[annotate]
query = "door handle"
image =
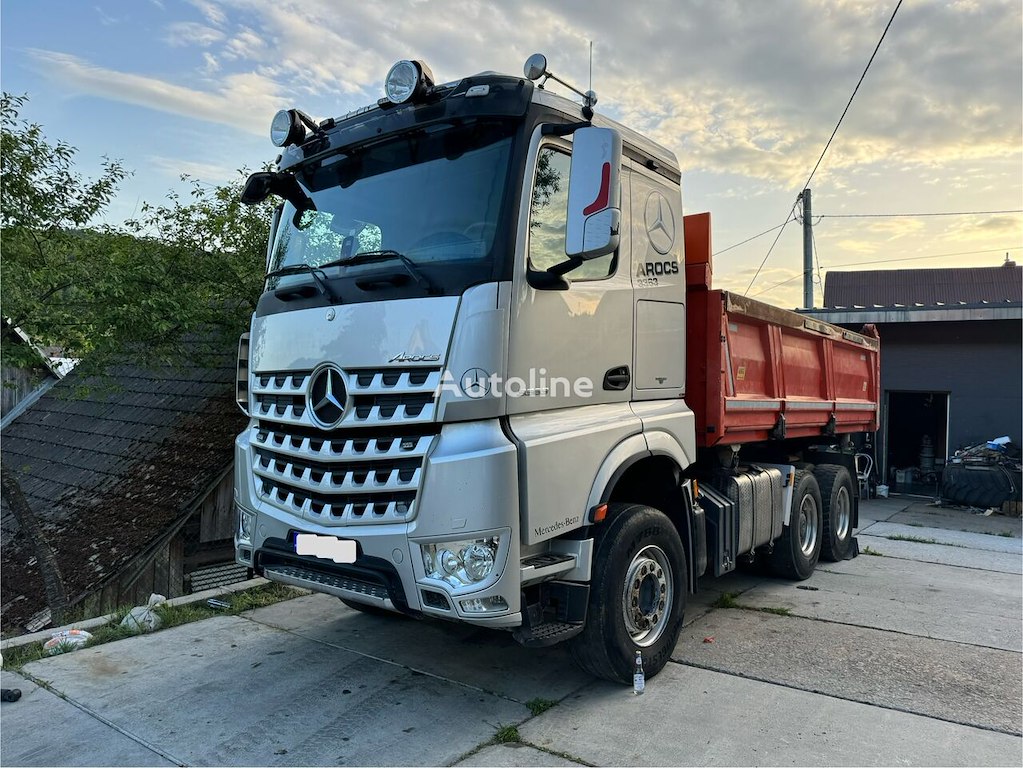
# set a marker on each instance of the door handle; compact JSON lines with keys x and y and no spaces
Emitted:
{"x":617,"y":379}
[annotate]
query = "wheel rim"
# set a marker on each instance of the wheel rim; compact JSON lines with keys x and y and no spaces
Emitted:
{"x":808,"y":521}
{"x":647,"y":596}
{"x":842,"y":508}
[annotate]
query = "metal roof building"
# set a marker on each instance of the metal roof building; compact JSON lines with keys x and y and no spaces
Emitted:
{"x":951,"y":360}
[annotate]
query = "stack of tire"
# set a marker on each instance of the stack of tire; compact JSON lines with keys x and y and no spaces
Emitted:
{"x":981,"y":484}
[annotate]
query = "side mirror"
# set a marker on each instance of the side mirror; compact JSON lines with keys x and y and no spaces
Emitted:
{"x":262,"y":184}
{"x":594,"y":194}
{"x":258,"y":188}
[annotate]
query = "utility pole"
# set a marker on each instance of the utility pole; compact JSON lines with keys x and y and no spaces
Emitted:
{"x":807,"y":251}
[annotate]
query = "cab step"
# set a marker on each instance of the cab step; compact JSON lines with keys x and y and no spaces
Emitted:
{"x":546,"y":565}
{"x":546,"y":634}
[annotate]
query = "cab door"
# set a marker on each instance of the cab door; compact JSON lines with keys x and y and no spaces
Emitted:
{"x":573,"y":347}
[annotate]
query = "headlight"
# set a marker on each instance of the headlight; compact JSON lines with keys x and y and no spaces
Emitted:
{"x":246,"y":524}
{"x":407,"y":80}
{"x":461,"y":563}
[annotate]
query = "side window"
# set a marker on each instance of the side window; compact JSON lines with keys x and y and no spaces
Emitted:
{"x":547,"y":217}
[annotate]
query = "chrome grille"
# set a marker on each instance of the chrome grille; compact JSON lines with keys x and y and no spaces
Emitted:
{"x":366,"y":470}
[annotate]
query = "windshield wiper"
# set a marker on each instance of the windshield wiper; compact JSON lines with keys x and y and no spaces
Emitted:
{"x":385,"y":254}
{"x":316,"y":271}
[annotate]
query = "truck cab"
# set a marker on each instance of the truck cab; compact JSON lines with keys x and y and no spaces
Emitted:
{"x":466,"y":375}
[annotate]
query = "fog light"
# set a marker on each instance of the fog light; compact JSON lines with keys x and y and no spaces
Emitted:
{"x":484,"y":604}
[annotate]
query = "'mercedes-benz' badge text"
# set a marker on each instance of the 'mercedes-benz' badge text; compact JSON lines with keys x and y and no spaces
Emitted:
{"x":327,"y":396}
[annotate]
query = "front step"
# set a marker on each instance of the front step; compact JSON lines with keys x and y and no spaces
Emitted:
{"x":546,"y":565}
{"x":546,"y":634}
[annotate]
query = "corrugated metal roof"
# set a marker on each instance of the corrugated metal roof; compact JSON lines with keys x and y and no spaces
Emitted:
{"x":108,"y":473}
{"x":924,"y":287}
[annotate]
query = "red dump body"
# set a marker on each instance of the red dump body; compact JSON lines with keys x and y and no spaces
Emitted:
{"x":757,"y":372}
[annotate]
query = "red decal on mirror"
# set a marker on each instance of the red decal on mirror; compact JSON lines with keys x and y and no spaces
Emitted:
{"x":605,"y":192}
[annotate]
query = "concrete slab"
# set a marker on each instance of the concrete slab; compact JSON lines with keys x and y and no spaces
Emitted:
{"x":922,"y":599}
{"x":961,"y":683}
{"x":930,"y":516}
{"x":872,"y":510}
{"x":515,"y":754}
{"x":691,"y":716}
{"x":954,"y":538}
{"x":82,"y":739}
{"x":229,"y":691}
{"x":484,"y":658}
{"x":983,"y":560}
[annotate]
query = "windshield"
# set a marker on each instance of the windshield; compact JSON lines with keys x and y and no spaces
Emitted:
{"x":434,"y":195}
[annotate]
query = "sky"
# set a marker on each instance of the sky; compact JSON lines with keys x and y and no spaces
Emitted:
{"x":745,"y":92}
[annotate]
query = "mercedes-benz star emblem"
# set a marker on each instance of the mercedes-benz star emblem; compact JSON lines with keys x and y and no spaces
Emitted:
{"x":476,"y":383}
{"x":327,"y":396}
{"x":660,"y":223}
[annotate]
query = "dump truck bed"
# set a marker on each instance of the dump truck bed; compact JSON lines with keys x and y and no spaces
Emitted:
{"x":757,"y":372}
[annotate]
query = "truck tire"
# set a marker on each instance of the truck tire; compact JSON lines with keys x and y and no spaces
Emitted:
{"x":797,"y":550}
{"x":637,"y":595}
{"x":836,"y":511}
{"x":978,"y":485}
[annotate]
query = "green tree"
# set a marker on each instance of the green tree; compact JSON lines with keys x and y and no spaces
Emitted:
{"x":190,"y":266}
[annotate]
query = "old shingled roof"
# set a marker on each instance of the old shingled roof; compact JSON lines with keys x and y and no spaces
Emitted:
{"x":924,"y":287}
{"x":109,"y":471}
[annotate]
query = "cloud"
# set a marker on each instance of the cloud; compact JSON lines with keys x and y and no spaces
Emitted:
{"x":236,"y":95}
{"x":184,"y":33}
{"x":210,"y":11}
{"x":174,"y":167}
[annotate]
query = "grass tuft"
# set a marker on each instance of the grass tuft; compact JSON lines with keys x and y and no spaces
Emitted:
{"x":777,"y":611}
{"x":506,"y":734}
{"x":539,"y":705}
{"x":917,"y":539}
{"x":727,"y":600}
{"x":1006,"y":534}
{"x":872,"y":552}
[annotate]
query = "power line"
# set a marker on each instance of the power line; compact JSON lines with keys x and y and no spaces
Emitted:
{"x":857,"y":88}
{"x":827,"y":145}
{"x":887,"y":261}
{"x":910,"y":215}
{"x":781,"y":228}
{"x":750,"y":239}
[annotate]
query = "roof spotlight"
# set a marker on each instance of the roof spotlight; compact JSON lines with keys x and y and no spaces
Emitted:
{"x":407,"y":81}
{"x":287,"y":128}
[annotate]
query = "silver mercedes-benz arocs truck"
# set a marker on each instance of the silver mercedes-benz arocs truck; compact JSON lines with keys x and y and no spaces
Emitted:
{"x":467,"y":378}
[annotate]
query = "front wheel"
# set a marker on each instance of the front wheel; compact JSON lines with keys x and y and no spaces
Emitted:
{"x":637,"y":595}
{"x":797,"y":550}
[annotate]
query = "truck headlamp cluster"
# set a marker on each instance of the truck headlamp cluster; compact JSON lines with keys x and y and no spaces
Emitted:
{"x":246,"y":524}
{"x":461,"y":563}
{"x":407,"y":81}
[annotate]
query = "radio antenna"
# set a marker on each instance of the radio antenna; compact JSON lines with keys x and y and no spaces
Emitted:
{"x":591,"y":66}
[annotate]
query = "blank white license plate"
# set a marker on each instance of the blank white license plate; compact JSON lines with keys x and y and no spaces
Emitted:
{"x":325,"y":547}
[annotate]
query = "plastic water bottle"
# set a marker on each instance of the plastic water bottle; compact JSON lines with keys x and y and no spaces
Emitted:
{"x":638,"y":678}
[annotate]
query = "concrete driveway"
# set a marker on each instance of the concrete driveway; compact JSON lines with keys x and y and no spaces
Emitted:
{"x":911,"y":656}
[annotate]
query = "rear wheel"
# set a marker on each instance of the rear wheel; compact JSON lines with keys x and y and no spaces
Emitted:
{"x":836,"y":511}
{"x":637,"y":595}
{"x":797,"y":550}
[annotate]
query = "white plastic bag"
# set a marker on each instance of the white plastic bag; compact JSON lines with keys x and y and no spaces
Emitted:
{"x":143,"y":618}
{"x":66,"y":640}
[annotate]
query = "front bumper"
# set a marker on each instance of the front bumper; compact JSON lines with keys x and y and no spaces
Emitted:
{"x":469,"y":490}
